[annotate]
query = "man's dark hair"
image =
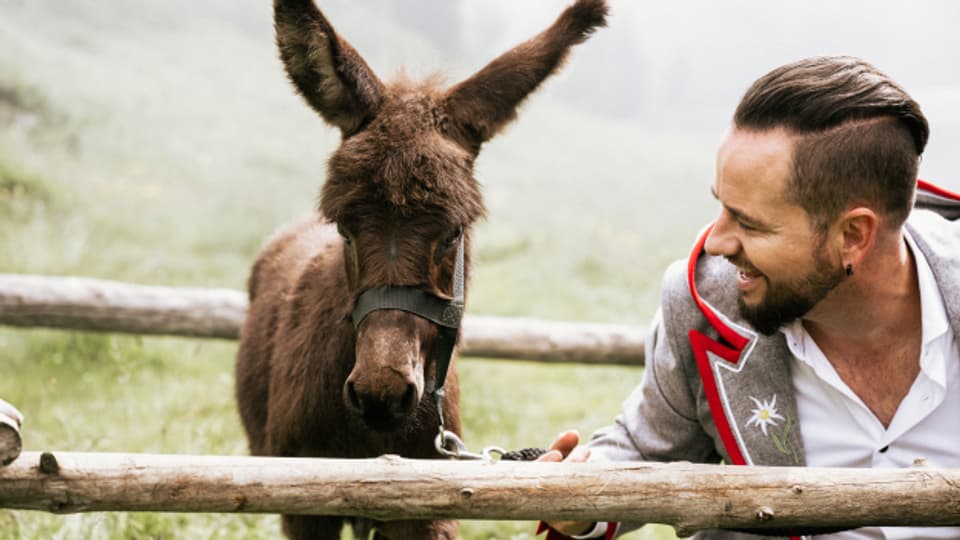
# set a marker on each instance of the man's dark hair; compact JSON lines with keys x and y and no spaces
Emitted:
{"x":860,"y":135}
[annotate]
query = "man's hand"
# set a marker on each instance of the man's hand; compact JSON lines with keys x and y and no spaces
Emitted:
{"x":564,"y":449}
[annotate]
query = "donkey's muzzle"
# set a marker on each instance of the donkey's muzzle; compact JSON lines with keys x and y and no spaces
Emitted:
{"x":381,"y":411}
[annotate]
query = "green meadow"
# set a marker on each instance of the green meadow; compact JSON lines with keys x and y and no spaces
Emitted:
{"x":160,"y":143}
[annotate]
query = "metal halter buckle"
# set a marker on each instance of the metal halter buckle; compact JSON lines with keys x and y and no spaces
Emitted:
{"x":490,"y":454}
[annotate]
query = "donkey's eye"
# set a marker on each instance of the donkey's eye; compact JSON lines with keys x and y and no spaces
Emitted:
{"x":455,"y":235}
{"x":343,"y":232}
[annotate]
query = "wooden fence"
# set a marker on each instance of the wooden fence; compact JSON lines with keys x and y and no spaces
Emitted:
{"x":688,"y":496}
{"x":100,"y":305}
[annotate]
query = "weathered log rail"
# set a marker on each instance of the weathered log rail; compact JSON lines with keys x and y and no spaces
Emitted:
{"x":689,"y":496}
{"x":111,"y":306}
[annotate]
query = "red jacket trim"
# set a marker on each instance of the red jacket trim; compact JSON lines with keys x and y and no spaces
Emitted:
{"x":729,"y":351}
{"x":730,"y":335}
{"x":923,"y":185}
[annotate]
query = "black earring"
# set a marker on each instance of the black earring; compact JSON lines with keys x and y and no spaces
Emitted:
{"x":849,"y":269}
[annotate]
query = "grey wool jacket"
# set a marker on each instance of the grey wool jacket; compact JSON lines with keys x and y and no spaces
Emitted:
{"x":707,"y":369}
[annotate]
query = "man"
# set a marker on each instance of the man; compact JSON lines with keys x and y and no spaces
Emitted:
{"x":816,"y":320}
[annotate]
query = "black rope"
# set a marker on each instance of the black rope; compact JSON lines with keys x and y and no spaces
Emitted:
{"x":525,"y":454}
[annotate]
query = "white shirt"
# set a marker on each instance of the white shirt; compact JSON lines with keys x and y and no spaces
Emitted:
{"x":838,"y":429}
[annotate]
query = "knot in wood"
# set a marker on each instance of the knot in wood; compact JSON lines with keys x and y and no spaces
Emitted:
{"x":48,"y":463}
{"x":466,"y":493}
{"x":765,"y":513}
{"x":796,"y":489}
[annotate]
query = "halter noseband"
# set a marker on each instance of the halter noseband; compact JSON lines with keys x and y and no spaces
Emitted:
{"x":447,"y":314}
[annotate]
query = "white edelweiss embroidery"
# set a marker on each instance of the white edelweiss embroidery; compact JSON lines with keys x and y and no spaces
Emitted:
{"x":765,"y":414}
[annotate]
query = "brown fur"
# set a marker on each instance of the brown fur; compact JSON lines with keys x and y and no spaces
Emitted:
{"x":400,"y":189}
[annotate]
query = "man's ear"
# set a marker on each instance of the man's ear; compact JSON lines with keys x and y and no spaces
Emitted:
{"x":855,"y":233}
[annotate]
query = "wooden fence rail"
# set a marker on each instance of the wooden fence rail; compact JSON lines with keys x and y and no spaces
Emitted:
{"x":689,"y":496}
{"x":111,"y":306}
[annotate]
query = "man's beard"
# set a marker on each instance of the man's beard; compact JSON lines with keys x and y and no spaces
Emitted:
{"x":784,"y":303}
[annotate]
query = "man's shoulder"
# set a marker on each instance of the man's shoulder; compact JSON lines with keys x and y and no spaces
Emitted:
{"x":675,"y":281}
{"x":713,"y":277}
{"x":939,"y":241}
{"x":937,"y":236}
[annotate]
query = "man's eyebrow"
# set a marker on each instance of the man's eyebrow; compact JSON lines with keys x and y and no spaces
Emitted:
{"x":739,"y":214}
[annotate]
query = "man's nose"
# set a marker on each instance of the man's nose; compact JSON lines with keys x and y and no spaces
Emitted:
{"x":722,"y":240}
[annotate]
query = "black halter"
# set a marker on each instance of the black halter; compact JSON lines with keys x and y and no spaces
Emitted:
{"x":447,"y":314}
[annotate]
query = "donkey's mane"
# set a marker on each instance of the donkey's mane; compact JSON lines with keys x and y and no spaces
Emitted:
{"x":403,"y":162}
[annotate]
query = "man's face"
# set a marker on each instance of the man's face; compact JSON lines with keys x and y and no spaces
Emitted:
{"x":784,"y":268}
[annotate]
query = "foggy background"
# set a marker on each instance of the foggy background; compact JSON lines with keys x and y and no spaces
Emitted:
{"x":600,"y":183}
{"x":681,"y":66}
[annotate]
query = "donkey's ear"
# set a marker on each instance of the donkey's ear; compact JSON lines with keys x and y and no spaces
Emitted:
{"x":480,"y":106}
{"x":326,"y":70}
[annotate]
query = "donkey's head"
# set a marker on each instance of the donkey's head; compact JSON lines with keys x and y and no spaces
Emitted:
{"x":400,"y":187}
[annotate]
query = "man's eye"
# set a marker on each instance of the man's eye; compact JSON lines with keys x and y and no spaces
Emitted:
{"x":747,"y":226}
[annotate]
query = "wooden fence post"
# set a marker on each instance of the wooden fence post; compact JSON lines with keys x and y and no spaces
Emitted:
{"x":10,"y":441}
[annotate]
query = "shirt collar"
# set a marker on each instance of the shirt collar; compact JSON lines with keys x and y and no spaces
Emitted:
{"x":933,"y":312}
{"x":934,"y":321}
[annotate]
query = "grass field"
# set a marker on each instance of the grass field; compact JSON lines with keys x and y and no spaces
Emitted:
{"x":139,"y":146}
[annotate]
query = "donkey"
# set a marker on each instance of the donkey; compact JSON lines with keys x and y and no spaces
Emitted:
{"x":315,"y":377}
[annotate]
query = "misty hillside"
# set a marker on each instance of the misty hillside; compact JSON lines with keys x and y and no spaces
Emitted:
{"x":146,"y":105}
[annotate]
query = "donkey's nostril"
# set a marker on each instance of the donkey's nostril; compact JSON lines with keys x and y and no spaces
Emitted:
{"x":353,"y":400}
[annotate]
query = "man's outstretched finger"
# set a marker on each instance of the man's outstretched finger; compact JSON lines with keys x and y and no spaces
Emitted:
{"x":561,"y":447}
{"x":566,"y":442}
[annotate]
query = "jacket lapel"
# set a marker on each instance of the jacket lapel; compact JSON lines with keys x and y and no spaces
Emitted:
{"x":746,"y":377}
{"x":758,"y":399}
